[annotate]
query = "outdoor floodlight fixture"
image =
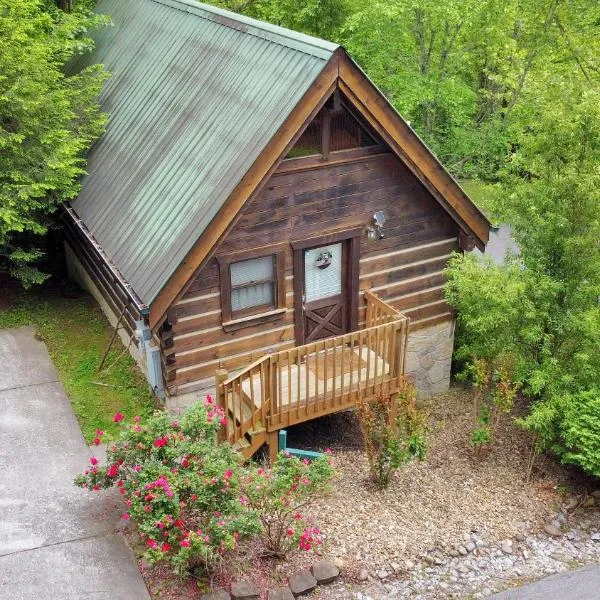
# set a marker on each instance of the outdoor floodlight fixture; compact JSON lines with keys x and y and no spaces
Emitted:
{"x":375,"y":231}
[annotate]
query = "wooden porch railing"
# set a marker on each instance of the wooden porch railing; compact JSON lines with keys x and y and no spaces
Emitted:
{"x":309,"y":381}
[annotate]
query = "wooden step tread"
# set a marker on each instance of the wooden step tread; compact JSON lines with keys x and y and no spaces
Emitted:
{"x":241,"y":444}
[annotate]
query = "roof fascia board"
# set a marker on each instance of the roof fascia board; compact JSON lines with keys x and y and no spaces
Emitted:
{"x":70,"y":213}
{"x":250,"y":184}
{"x":409,"y":147}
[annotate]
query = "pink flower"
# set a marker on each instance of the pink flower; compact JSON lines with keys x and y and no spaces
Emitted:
{"x":152,"y":544}
{"x":160,"y":442}
{"x":137,"y":419}
{"x":93,"y":460}
{"x":137,"y":468}
{"x":96,"y":441}
{"x":329,"y":451}
{"x":228,"y":474}
{"x":113,"y":469}
{"x":125,"y":516}
{"x":185,"y":543}
{"x":165,"y":547}
{"x":96,"y":488}
{"x":118,"y":417}
{"x":290,"y":532}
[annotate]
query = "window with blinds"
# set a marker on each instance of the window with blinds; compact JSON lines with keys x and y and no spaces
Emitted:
{"x":253,"y":284}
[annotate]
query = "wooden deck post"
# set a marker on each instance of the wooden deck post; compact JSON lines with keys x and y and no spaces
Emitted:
{"x":273,"y":444}
{"x":220,"y":376}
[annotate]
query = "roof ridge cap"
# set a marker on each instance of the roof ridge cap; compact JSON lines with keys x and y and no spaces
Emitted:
{"x":239,"y":22}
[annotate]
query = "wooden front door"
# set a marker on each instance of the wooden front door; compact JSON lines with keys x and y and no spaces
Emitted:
{"x":325,"y":305}
{"x":325,"y":288}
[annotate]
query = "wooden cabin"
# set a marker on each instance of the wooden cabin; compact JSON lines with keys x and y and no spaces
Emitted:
{"x":258,"y":213}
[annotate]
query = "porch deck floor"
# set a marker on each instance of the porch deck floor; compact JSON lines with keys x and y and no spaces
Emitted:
{"x":300,"y":384}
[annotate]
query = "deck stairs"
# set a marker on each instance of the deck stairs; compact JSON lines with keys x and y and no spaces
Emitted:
{"x":253,"y":439}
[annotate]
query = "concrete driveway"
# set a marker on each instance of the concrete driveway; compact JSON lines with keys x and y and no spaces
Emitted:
{"x":56,"y":541}
{"x":581,"y":584}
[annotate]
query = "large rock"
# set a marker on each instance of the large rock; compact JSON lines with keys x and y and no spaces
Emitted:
{"x":552,"y":530}
{"x":325,"y":572}
{"x":216,"y":595}
{"x":244,"y":590}
{"x":283,"y":593}
{"x":302,"y":583}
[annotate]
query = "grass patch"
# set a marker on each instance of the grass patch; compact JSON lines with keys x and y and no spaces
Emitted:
{"x":76,"y":333}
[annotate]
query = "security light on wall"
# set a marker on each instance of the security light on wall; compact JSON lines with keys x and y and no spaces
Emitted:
{"x":375,"y":231}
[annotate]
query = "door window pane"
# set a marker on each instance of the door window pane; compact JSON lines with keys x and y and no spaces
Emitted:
{"x":322,"y":281}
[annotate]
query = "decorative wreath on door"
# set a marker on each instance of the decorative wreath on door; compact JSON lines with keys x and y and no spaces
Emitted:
{"x":324,"y":259}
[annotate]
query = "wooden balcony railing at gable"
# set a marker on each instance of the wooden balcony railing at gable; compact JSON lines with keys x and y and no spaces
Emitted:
{"x":313,"y":380}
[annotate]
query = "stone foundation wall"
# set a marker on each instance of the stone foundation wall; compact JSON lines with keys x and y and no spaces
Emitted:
{"x":429,"y":358}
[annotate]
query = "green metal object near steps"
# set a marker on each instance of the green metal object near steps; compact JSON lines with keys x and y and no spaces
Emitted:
{"x":304,"y":454}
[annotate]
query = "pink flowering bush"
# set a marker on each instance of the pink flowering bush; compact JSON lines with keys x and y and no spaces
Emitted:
{"x":189,"y":495}
{"x":179,"y":486}
{"x":280,"y":496}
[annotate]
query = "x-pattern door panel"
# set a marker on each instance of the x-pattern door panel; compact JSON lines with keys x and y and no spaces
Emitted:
{"x":325,"y":318}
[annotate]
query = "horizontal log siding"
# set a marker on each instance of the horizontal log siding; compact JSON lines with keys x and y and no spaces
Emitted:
{"x":405,"y":268}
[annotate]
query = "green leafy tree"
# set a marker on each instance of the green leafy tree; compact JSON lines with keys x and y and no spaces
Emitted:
{"x":47,"y":122}
{"x":543,"y":307}
{"x":321,"y":18}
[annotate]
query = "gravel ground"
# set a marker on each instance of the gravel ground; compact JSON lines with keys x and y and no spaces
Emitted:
{"x":432,"y":504}
{"x":452,"y":526}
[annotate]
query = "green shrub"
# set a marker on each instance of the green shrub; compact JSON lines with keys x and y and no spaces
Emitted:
{"x":279,"y":498}
{"x":393,"y":431}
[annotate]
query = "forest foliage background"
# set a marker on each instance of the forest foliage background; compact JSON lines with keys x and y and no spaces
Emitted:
{"x":507,"y":94}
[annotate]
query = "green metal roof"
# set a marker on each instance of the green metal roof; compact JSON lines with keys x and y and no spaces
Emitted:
{"x":195,"y":95}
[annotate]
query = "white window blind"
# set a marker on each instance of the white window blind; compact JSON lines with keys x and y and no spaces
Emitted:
{"x":252,"y":283}
{"x":322,"y":283}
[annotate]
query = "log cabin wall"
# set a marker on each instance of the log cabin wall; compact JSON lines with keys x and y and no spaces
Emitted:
{"x":405,"y":267}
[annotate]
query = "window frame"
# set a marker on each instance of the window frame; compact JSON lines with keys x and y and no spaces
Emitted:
{"x":254,"y":315}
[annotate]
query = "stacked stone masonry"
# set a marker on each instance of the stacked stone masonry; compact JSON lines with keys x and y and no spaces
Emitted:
{"x":429,"y":358}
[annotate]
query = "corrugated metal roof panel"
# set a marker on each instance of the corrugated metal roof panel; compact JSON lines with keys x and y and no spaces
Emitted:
{"x":195,"y":95}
